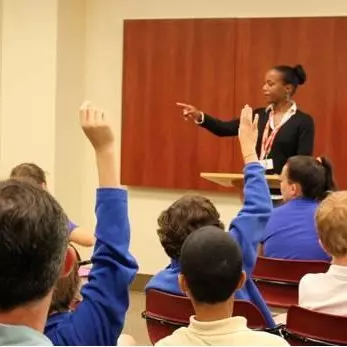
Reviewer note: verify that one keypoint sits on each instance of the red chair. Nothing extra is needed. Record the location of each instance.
(278, 279)
(308, 328)
(167, 312)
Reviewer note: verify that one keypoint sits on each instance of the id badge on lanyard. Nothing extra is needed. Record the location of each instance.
(268, 164)
(266, 148)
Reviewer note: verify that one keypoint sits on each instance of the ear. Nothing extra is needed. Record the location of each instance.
(242, 280)
(183, 284)
(323, 248)
(69, 261)
(296, 189)
(289, 89)
(44, 185)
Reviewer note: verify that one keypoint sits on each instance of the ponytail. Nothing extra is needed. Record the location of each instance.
(314, 175)
(330, 184)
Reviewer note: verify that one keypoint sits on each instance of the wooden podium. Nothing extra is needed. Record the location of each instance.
(236, 179)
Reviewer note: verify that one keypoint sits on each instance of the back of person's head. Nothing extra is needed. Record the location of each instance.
(65, 291)
(29, 171)
(184, 216)
(211, 266)
(33, 242)
(306, 176)
(331, 219)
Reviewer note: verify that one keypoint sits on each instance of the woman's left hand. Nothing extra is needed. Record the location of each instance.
(248, 134)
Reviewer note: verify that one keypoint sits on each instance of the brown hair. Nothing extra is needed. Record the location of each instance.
(331, 219)
(66, 290)
(315, 175)
(29, 171)
(33, 242)
(184, 216)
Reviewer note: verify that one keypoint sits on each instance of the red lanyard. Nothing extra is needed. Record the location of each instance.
(268, 140)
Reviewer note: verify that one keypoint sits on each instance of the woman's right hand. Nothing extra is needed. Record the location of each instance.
(190, 112)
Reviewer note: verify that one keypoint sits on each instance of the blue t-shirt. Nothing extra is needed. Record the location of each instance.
(291, 232)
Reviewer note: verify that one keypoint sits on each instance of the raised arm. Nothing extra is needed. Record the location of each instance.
(248, 227)
(214, 125)
(99, 318)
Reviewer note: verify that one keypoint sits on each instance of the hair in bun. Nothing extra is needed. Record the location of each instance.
(292, 75)
(300, 74)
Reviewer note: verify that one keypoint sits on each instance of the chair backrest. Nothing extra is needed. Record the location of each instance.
(278, 279)
(167, 312)
(306, 327)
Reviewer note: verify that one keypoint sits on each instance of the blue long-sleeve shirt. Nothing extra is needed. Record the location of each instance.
(247, 229)
(99, 318)
(291, 232)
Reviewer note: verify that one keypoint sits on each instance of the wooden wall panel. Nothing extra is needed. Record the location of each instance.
(219, 65)
(166, 61)
(317, 44)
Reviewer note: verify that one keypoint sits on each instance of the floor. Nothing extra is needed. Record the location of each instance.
(135, 325)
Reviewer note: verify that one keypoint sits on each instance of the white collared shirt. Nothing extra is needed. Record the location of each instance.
(325, 292)
(290, 112)
(231, 331)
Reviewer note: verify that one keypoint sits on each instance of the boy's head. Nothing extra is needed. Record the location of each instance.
(331, 219)
(30, 171)
(184, 216)
(211, 266)
(33, 244)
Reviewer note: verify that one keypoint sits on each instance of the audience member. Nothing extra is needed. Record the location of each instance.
(291, 230)
(33, 254)
(34, 173)
(190, 213)
(99, 318)
(326, 292)
(211, 272)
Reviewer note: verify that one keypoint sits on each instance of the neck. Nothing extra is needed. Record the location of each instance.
(282, 106)
(32, 315)
(342, 261)
(209, 313)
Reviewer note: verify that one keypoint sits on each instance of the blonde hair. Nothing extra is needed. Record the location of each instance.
(331, 219)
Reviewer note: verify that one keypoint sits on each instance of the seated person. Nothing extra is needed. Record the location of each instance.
(326, 292)
(34, 173)
(211, 272)
(190, 213)
(99, 318)
(33, 254)
(291, 230)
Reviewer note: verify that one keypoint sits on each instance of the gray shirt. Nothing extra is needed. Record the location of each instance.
(19, 335)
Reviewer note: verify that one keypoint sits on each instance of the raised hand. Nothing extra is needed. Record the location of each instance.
(190, 112)
(248, 134)
(96, 127)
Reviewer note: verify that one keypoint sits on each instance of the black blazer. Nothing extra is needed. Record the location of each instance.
(295, 137)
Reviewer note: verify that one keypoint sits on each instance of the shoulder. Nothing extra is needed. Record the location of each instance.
(304, 118)
(309, 281)
(54, 320)
(177, 338)
(266, 339)
(281, 210)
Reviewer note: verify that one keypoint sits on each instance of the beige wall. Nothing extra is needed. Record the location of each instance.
(56, 53)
